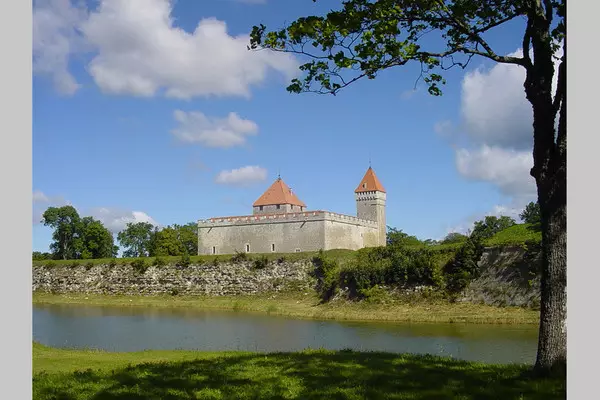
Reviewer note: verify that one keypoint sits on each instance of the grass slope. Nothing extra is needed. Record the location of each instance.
(311, 374)
(300, 306)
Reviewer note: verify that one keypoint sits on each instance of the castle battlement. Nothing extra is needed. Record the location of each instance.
(318, 215)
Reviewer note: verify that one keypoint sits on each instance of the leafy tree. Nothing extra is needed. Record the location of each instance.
(65, 222)
(39, 256)
(454, 237)
(491, 225)
(395, 237)
(96, 240)
(366, 37)
(136, 239)
(531, 214)
(166, 243)
(175, 240)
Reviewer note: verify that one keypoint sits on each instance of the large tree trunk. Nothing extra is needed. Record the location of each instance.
(550, 172)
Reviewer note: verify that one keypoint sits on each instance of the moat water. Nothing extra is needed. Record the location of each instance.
(134, 329)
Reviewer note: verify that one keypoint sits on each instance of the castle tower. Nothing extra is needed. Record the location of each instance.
(370, 202)
(278, 199)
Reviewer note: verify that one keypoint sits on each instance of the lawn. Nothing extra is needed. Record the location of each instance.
(310, 374)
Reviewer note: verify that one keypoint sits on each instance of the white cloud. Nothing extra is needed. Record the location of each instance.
(513, 209)
(138, 51)
(243, 176)
(115, 220)
(505, 168)
(55, 26)
(195, 127)
(39, 197)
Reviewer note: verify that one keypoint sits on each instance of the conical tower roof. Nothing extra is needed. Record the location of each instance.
(370, 183)
(278, 193)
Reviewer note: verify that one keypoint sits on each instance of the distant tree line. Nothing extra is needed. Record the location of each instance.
(75, 237)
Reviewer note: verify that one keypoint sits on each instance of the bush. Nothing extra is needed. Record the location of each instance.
(50, 264)
(376, 295)
(112, 262)
(215, 262)
(140, 266)
(89, 266)
(261, 262)
(239, 257)
(463, 268)
(74, 264)
(185, 260)
(327, 272)
(160, 262)
(281, 260)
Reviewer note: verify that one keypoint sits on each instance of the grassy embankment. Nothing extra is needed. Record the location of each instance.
(310, 374)
(302, 305)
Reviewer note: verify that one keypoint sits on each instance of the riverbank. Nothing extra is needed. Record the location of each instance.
(308, 306)
(310, 374)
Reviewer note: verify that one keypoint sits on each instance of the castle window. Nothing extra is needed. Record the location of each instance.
(260, 208)
(365, 185)
(273, 247)
(297, 250)
(278, 206)
(247, 248)
(214, 250)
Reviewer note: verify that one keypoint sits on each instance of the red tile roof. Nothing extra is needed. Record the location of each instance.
(370, 183)
(278, 193)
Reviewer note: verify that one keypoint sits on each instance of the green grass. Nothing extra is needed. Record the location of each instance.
(310, 374)
(308, 306)
(515, 235)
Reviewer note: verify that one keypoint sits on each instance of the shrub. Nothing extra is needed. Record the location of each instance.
(261, 262)
(160, 262)
(239, 257)
(185, 260)
(112, 262)
(327, 272)
(89, 265)
(74, 264)
(50, 264)
(215, 261)
(376, 295)
(281, 260)
(174, 292)
(139, 265)
(463, 268)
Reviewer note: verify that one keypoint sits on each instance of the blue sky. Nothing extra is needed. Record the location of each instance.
(140, 114)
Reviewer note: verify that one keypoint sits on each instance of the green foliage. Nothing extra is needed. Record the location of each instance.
(160, 262)
(239, 257)
(327, 273)
(112, 262)
(463, 268)
(395, 237)
(375, 295)
(89, 265)
(363, 38)
(454, 237)
(491, 225)
(136, 239)
(39, 256)
(185, 260)
(175, 240)
(65, 222)
(516, 235)
(531, 214)
(140, 265)
(96, 240)
(261, 262)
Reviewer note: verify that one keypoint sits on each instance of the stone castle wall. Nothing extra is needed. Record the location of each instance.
(213, 280)
(285, 233)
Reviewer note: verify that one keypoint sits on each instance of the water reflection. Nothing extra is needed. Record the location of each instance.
(133, 329)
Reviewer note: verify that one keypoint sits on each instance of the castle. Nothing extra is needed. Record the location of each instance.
(280, 223)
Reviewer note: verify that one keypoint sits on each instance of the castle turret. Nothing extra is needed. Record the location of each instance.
(278, 199)
(370, 203)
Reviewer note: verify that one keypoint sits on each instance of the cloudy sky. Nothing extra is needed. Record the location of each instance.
(154, 110)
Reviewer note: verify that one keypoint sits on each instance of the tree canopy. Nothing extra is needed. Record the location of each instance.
(75, 237)
(531, 214)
